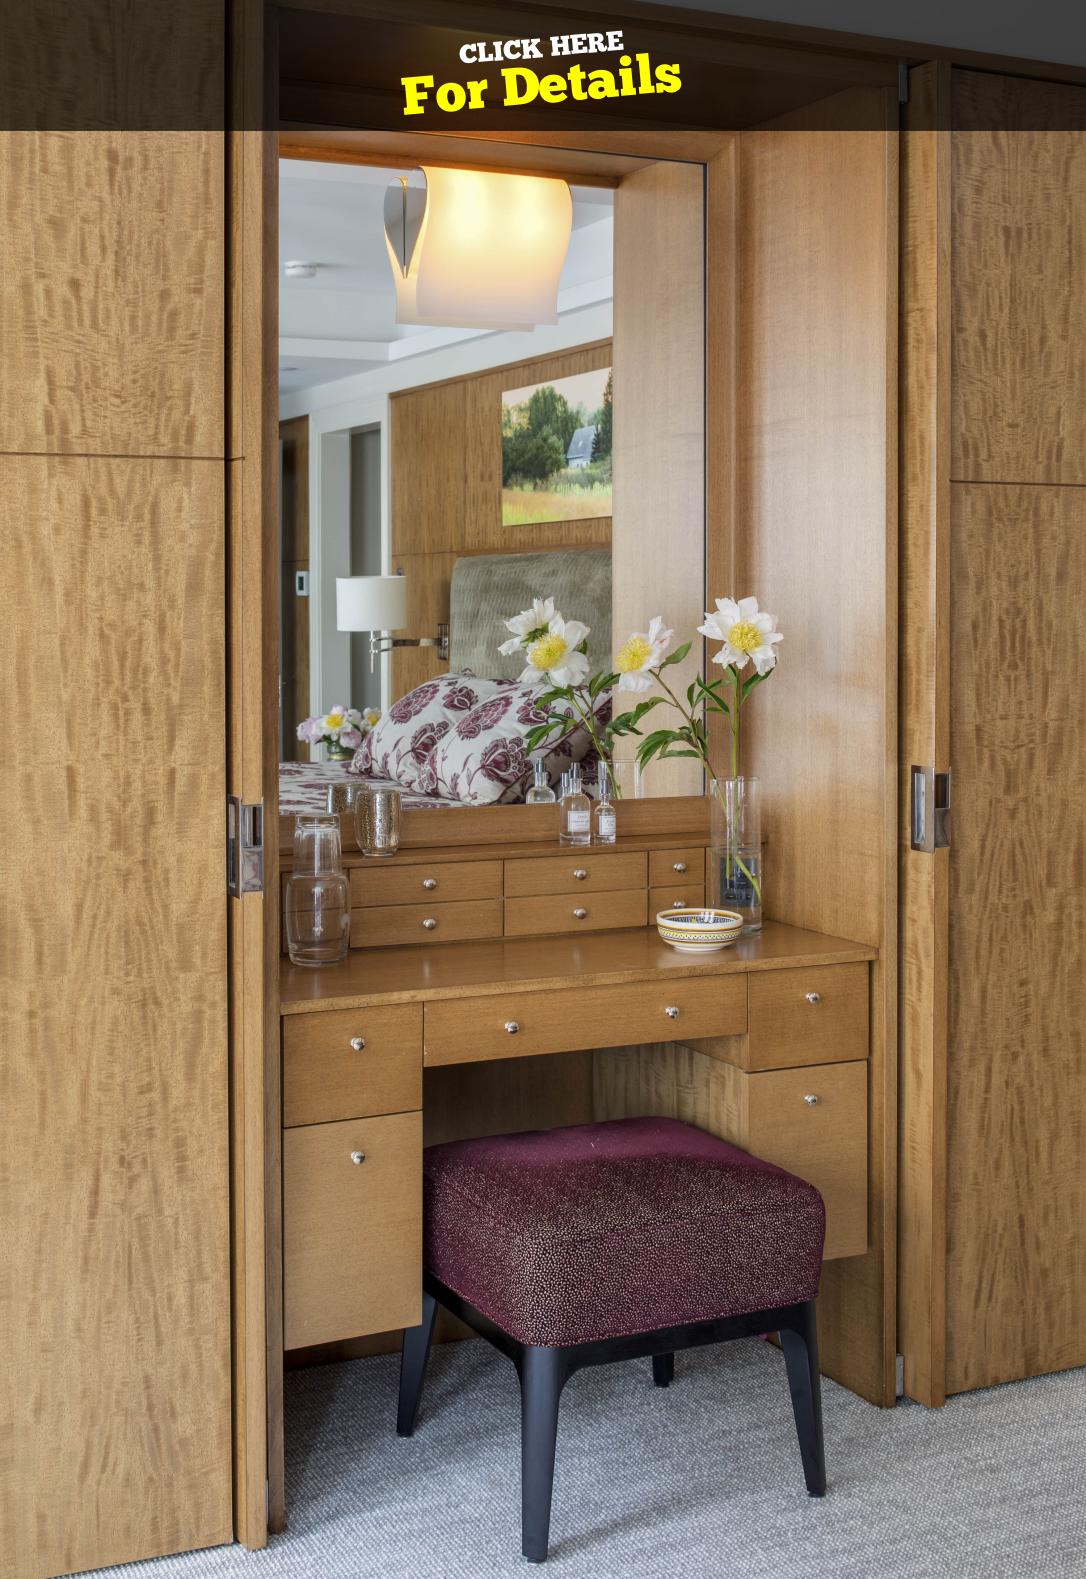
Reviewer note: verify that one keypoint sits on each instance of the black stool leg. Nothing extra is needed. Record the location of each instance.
(542, 1374)
(416, 1352)
(663, 1369)
(805, 1385)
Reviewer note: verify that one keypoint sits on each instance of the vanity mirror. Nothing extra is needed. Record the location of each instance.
(441, 477)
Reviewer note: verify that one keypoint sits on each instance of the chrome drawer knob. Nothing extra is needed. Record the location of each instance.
(358, 1158)
(672, 1011)
(679, 866)
(677, 904)
(814, 997)
(358, 1043)
(512, 1026)
(580, 873)
(429, 883)
(580, 912)
(430, 923)
(810, 1099)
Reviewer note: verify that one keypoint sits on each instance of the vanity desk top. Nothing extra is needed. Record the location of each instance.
(493, 966)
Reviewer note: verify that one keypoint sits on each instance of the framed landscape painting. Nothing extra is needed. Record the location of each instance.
(556, 450)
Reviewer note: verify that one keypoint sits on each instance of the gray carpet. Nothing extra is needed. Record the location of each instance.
(701, 1481)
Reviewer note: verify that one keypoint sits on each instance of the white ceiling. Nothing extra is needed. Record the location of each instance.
(342, 322)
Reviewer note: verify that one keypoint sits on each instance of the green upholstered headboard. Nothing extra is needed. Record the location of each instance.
(488, 588)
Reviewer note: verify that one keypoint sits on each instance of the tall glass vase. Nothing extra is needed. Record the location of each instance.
(736, 867)
(317, 902)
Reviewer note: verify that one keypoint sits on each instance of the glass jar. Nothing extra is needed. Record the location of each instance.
(317, 903)
(736, 880)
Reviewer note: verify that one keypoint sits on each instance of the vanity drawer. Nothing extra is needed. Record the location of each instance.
(669, 866)
(823, 1141)
(352, 1230)
(326, 1078)
(443, 880)
(465, 1030)
(680, 892)
(580, 871)
(583, 912)
(807, 1016)
(379, 926)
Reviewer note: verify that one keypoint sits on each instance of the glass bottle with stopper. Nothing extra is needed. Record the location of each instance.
(575, 809)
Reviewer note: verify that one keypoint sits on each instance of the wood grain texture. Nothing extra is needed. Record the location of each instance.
(114, 1177)
(326, 1077)
(429, 578)
(658, 532)
(113, 322)
(762, 1113)
(620, 907)
(785, 1027)
(382, 926)
(925, 728)
(469, 1030)
(376, 884)
(411, 975)
(1019, 261)
(1016, 1271)
(352, 1248)
(505, 1095)
(578, 871)
(816, 543)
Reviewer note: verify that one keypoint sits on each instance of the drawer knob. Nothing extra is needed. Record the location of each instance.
(358, 1158)
(580, 873)
(679, 866)
(358, 1043)
(810, 1099)
(678, 904)
(672, 1011)
(430, 923)
(580, 912)
(813, 997)
(429, 883)
(512, 1026)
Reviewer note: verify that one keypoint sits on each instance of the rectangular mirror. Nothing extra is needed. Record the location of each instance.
(447, 476)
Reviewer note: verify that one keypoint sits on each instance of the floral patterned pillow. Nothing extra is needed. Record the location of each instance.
(482, 758)
(403, 739)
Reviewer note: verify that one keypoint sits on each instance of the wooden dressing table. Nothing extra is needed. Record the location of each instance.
(765, 1043)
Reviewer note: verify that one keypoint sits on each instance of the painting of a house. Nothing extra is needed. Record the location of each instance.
(556, 450)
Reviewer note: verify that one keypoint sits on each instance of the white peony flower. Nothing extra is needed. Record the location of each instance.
(746, 633)
(528, 623)
(553, 655)
(336, 719)
(645, 650)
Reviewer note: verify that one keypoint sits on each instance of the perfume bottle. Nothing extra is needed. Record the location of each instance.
(604, 810)
(540, 793)
(576, 811)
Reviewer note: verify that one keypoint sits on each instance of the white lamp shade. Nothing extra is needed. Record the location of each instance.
(479, 250)
(371, 603)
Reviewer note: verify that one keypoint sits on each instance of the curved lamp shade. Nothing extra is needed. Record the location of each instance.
(371, 603)
(474, 249)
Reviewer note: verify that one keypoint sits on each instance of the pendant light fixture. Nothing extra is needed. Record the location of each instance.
(475, 249)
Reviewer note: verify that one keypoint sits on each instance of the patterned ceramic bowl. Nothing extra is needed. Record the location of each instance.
(699, 931)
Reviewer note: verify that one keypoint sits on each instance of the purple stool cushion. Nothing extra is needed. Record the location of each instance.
(567, 1236)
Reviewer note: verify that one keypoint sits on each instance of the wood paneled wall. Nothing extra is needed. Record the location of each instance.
(445, 482)
(993, 1101)
(815, 541)
(114, 1169)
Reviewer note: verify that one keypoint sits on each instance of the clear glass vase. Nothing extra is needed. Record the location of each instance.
(317, 903)
(737, 872)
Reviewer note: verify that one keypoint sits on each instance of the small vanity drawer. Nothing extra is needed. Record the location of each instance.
(379, 926)
(676, 866)
(680, 892)
(814, 1123)
(352, 1228)
(465, 1030)
(807, 1016)
(575, 913)
(374, 884)
(350, 1063)
(581, 871)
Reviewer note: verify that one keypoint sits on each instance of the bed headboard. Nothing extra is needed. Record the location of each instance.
(488, 588)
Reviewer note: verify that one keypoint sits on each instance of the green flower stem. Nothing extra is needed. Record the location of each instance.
(588, 719)
(703, 753)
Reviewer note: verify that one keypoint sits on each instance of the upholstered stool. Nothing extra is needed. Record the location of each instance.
(635, 1238)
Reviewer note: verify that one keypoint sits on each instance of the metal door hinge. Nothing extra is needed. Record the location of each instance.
(244, 847)
(930, 809)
